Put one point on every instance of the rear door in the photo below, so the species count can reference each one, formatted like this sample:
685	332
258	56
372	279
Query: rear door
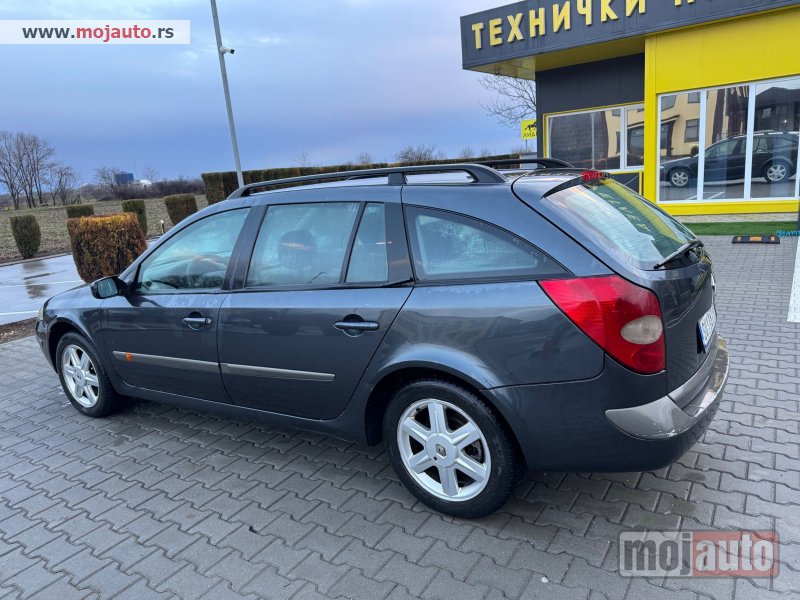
324	284
632	236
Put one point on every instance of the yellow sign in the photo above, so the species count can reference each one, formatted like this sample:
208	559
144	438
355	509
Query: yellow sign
528	128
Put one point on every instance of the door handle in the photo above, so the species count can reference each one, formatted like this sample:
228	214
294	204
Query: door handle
196	322
357	325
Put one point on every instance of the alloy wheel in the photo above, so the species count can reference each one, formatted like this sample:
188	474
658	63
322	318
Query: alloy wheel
80	376
776	172
679	178
443	450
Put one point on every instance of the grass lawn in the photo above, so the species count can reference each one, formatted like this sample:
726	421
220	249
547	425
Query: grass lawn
52	221
744	228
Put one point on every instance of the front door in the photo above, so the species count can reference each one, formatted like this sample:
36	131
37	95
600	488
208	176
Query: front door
325	283
163	335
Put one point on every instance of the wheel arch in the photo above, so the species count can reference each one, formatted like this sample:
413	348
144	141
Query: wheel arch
57	330
382	393
790	167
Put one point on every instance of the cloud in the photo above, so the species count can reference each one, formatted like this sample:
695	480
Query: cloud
271	40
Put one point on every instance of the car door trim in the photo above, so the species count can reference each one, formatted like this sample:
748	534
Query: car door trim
188	364
274	373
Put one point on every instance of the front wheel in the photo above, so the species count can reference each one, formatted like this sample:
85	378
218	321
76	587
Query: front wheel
450	449
84	378
679	178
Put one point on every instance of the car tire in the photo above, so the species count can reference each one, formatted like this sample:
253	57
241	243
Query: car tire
679	178
450	449
84	378
777	171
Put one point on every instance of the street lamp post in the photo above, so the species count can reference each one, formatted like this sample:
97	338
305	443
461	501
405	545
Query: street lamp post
222	51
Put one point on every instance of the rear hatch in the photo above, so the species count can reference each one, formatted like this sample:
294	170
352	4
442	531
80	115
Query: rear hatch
634	238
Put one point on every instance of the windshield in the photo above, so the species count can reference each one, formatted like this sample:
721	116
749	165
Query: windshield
621	221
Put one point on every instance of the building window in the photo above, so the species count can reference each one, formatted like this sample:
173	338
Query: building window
736	142
692	132
594	139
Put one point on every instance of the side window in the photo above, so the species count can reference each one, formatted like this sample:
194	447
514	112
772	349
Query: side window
302	244
448	246
369	261
195	258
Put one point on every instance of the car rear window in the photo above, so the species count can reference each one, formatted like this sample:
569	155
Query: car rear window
622	222
453	247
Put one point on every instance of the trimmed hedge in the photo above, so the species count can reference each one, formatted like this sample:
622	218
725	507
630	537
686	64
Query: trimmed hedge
180	206
103	246
220	185
136	207
76	211
27	235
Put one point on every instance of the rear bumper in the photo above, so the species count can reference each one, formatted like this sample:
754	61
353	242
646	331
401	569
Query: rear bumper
602	425
683	408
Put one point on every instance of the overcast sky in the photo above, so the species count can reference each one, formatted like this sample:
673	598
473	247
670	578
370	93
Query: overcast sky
332	78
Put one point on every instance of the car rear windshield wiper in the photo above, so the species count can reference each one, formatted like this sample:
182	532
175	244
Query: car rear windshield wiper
680	252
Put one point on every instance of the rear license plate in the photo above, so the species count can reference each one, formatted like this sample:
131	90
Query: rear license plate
707	324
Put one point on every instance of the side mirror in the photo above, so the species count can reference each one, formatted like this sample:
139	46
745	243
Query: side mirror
108	287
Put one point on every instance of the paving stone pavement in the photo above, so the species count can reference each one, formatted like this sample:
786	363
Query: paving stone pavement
157	502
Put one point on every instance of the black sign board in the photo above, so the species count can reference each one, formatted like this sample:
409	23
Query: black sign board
540	26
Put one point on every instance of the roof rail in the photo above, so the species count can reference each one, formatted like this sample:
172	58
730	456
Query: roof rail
397	176
547	163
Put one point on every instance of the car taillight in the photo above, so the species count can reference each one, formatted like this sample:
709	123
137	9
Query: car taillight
622	318
593	176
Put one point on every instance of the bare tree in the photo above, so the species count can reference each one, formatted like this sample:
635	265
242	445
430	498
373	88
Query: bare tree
107	180
150	173
63	180
514	99
302	159
364	158
10	176
466	152
420	153
35	157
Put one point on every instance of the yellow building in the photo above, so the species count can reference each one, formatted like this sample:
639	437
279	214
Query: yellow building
694	103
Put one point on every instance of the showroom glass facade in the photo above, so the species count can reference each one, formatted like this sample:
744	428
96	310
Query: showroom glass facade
737	142
594	139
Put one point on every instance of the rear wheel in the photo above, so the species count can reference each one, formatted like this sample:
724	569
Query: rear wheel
84	378
777	172
450	449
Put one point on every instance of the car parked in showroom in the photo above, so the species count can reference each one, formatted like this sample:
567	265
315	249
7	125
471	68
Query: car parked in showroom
774	159
477	323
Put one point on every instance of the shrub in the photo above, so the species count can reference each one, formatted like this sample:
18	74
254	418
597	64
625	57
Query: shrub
76	211
136	207
180	206
103	246
27	235
215	192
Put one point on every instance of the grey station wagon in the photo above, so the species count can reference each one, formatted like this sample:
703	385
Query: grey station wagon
478	323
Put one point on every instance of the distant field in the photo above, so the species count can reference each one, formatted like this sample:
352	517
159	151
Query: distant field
52	221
